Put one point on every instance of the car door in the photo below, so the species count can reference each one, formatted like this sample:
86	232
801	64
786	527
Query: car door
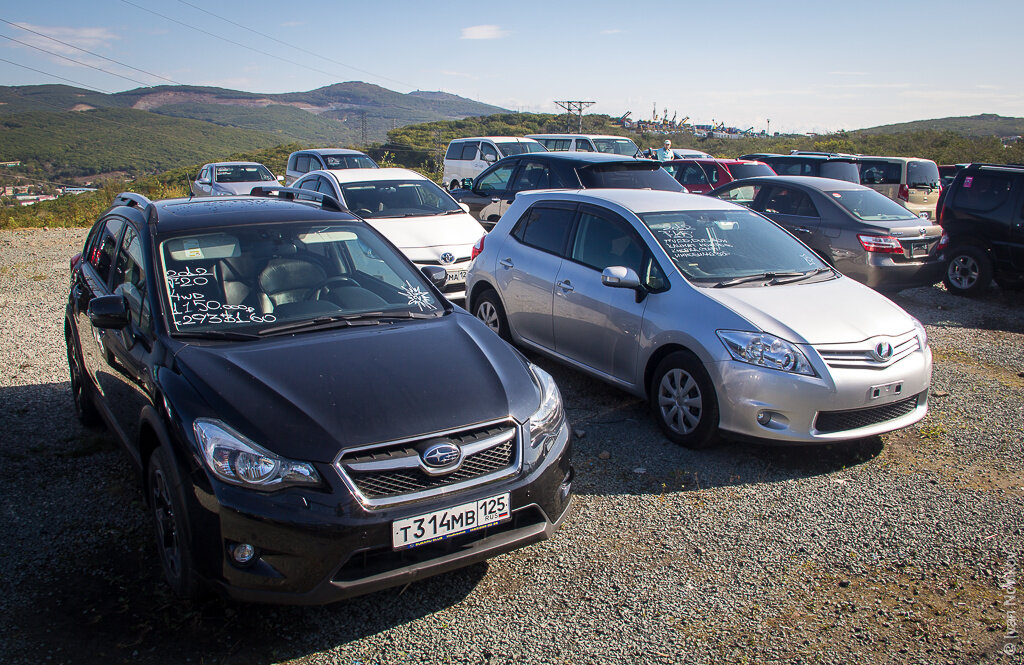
531	175
793	209
693	177
203	185
597	325
491	193
92	281
488	155
528	264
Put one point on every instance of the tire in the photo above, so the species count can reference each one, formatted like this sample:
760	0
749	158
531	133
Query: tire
85	408
488	309
968	272
173	531
684	401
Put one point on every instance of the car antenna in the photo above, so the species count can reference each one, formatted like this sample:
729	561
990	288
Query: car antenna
188	183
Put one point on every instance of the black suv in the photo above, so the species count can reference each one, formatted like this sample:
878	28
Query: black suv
982	215
492	192
818	165
310	417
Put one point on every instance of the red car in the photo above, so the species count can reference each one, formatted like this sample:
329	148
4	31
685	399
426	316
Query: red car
700	176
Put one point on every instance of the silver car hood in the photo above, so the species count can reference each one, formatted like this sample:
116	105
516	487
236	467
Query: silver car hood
243	188
836	311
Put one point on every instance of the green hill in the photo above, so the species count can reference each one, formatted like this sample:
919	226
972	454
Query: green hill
986	124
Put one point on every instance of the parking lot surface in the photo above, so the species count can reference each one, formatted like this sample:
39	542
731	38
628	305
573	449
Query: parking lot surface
900	548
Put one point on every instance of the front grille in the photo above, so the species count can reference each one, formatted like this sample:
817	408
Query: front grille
454	264
860	355
392	472
841	421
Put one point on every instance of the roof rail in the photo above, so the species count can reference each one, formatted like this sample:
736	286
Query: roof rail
291	193
843	155
1001	166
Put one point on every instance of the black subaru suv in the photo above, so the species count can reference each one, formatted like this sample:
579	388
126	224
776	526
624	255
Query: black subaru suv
982	216
311	419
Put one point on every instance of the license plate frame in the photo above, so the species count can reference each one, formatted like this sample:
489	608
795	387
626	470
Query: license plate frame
893	389
918	249
449	522
455	276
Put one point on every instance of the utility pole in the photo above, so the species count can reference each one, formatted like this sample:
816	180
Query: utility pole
576	107
769	130
362	127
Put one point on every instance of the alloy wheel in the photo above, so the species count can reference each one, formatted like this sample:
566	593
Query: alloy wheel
487	313
166	525
963	271
679	401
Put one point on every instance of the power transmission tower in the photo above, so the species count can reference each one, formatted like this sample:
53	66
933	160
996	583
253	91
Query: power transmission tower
362	126
574	107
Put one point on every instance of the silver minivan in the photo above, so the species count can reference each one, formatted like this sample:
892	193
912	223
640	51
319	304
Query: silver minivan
716	315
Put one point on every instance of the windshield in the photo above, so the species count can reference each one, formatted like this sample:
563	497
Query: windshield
348	162
245	279
628	175
740	171
397	198
715	245
616	146
923	174
519	147
243	173
869	205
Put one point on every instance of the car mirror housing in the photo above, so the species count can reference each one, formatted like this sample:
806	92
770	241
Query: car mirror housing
464	206
280	178
467	183
620	277
108	312
436	274
203	181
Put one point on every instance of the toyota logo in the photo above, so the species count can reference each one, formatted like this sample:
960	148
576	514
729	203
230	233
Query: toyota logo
882	351
441	455
447	258
922	230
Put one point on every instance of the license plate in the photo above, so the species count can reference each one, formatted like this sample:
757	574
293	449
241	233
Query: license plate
456	276
918	249
449	522
886	390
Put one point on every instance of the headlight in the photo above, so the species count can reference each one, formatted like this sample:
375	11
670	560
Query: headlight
546	422
237	460
765	351
922	334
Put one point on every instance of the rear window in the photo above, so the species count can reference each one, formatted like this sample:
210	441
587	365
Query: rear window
923	173
628	175
983	192
616	146
349	162
881	172
518	147
869	205
740	171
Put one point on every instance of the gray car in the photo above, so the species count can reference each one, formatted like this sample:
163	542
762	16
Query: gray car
231	178
861	232
721	319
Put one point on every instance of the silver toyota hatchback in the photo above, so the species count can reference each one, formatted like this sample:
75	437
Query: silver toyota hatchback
716	315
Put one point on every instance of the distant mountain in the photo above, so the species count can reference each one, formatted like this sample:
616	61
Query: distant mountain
343	113
986	124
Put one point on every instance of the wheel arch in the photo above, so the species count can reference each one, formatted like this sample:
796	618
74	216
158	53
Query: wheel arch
655	359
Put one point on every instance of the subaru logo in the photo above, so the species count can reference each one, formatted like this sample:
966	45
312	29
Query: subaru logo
447	258
882	351
441	455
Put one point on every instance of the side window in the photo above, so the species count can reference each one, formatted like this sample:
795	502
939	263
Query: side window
603	241
692	174
495	181
532	176
102	254
488	150
302	164
291	162
308	183
545	228
712	171
556	145
583	145
469	150
325	187
130	279
786	201
454	151
881	173
744	195
983	192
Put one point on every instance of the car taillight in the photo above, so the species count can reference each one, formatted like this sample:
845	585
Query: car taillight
477	248
880	244
943	242
74	260
904	194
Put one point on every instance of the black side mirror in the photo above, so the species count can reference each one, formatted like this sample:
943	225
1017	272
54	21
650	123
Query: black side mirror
436	274
467	183
108	312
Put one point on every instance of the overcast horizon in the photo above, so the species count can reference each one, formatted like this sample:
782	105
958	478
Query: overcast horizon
831	68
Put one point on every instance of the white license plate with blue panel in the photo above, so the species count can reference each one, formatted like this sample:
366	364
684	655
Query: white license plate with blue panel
441	524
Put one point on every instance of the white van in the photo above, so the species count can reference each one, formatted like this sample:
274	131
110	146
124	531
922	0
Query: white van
466	158
612	145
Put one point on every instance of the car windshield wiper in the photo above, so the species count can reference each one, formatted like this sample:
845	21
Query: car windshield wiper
215	334
342	320
798	278
756	278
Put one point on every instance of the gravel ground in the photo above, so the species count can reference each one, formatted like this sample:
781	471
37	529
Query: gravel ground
900	548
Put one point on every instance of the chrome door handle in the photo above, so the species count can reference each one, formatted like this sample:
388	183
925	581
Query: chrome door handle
495	199
506	263
802	229
565	285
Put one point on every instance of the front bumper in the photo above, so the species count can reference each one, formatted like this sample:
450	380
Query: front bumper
796	402
314	548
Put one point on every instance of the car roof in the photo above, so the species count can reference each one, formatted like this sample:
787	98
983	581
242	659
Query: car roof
811	182
816	158
635	200
368	175
495	138
573	136
195	213
332	151
231	164
575	157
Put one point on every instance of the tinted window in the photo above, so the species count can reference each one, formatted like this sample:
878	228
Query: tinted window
487	150
106	248
983	191
545	228
740	171
130	279
789	201
616	146
397	198
869	205
689	174
533	176
877	172
583	145
744	195
923	174
712	172
454	151
559	145
602	242
302	163
495	181
469	150
348	162
839	170
628	175
519	147
796	167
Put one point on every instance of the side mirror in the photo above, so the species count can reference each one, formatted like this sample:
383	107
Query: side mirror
280	178
620	277
436	274
467	183
464	206
490	158
108	312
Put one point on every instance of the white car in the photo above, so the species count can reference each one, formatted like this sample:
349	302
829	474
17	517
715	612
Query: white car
466	158
419	217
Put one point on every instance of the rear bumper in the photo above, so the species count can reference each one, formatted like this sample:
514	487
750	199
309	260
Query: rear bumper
882	273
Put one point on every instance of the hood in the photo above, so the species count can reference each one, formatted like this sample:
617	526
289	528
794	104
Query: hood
307	396
442	231
836	311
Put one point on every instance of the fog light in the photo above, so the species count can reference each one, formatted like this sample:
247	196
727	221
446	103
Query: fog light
243	553
764	418
566	486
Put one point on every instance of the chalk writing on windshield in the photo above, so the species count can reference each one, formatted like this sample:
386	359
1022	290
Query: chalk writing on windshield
193	297
680	242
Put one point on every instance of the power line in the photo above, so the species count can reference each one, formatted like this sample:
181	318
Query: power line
77	62
79	48
39	71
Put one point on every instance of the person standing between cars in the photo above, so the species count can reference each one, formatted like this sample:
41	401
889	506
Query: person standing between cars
664	153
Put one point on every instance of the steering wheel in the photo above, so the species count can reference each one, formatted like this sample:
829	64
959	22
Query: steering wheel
324	288
363	212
